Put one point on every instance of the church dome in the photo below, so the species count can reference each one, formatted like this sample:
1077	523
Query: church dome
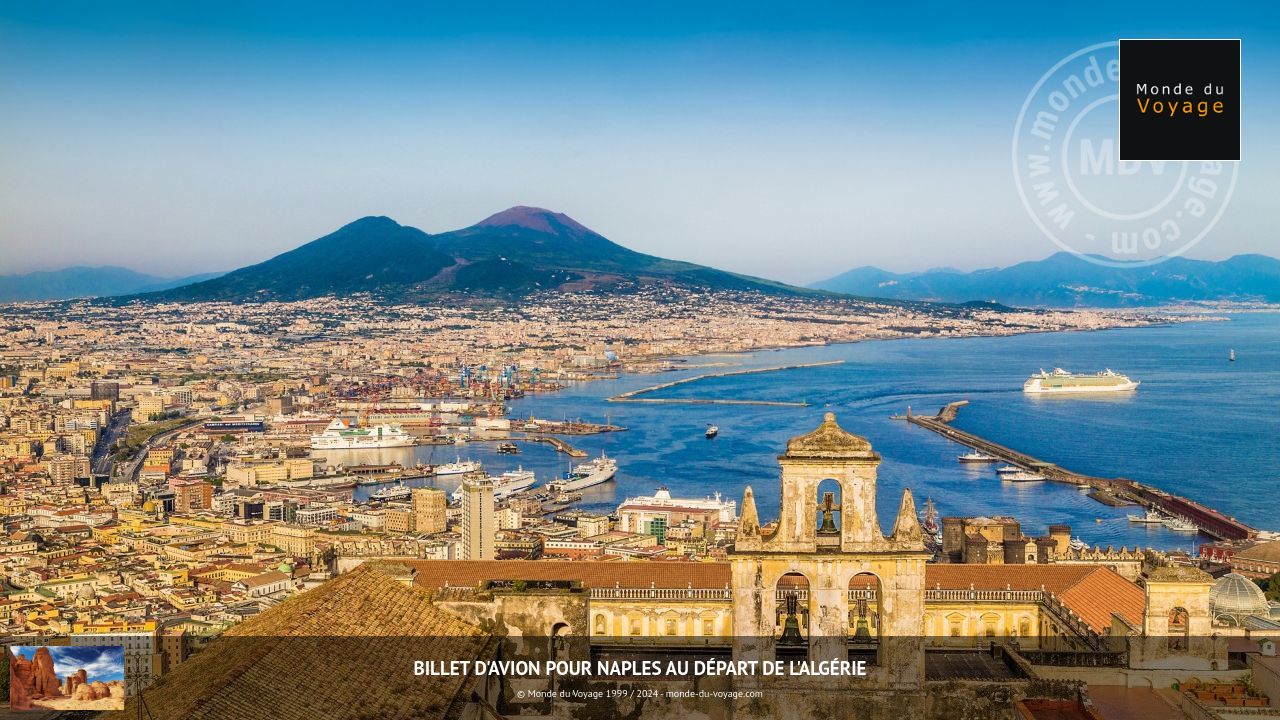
1235	597
148	507
830	442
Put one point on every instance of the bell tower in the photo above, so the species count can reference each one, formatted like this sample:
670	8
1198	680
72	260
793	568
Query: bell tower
861	592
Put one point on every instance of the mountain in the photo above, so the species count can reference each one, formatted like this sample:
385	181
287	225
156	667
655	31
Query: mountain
80	281
511	253
1067	280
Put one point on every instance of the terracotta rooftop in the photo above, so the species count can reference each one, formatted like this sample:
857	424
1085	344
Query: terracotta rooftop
470	573
1262	552
341	650
1091	591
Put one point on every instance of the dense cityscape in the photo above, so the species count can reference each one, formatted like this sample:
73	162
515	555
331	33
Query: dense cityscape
160	483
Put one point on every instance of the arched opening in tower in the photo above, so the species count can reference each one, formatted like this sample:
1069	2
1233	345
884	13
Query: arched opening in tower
864	618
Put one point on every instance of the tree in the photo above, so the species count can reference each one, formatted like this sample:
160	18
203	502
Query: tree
1272	587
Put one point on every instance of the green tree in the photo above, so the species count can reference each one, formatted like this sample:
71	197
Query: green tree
1272	587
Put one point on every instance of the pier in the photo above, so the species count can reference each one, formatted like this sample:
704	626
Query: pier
1109	491
634	395
559	445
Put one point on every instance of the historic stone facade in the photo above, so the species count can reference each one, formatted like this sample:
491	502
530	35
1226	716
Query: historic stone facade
831	560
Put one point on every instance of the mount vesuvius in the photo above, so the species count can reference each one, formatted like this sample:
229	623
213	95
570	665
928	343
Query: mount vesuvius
515	252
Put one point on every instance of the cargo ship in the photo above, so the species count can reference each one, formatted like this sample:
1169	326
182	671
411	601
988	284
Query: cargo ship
588	474
341	435
1061	381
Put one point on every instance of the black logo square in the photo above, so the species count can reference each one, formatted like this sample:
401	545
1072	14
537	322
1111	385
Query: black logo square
1179	99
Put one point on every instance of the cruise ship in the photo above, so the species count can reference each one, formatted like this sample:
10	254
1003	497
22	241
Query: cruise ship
506	484
1061	381
588	474
341	435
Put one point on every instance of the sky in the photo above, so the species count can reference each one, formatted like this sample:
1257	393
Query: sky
792	141
101	664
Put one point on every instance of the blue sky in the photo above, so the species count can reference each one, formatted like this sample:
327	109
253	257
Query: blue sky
105	663
792	141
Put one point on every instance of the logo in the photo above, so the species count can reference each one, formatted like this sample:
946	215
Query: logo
1082	196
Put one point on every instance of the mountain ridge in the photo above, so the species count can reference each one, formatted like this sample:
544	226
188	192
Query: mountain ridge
511	253
84	281
1067	280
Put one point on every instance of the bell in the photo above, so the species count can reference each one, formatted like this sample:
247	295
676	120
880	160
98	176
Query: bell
828	514
791	628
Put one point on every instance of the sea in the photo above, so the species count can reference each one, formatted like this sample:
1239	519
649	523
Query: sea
1199	425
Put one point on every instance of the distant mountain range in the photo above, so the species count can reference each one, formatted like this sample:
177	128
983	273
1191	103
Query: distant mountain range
1066	280
512	253
82	282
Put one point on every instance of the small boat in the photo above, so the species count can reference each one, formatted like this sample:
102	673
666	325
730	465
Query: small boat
712	431
1231	356
1022	476
1150	517
1008	469
1180	525
509	449
977	457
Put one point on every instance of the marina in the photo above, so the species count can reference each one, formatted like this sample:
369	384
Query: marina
1180	514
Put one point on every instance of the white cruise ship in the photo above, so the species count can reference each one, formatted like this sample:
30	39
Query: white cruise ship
341	435
1061	381
506	484
588	474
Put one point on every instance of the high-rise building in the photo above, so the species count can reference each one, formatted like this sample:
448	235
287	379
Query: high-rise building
479	525
429	510
190	495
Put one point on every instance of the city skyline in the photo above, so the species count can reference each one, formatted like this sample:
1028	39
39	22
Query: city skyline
176	141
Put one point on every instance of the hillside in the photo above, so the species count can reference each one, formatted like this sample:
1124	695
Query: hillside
79	282
1066	280
511	253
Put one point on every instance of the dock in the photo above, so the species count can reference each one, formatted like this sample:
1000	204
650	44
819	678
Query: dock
1109	491
634	395
559	445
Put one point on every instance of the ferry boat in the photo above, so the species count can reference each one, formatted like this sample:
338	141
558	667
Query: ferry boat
399	491
1022	476
1079	545
507	484
977	457
1180	525
457	467
712	431
1150	516
585	475
1008	469
341	435
1062	381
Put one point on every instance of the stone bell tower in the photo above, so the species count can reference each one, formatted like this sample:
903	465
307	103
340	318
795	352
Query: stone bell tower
836	566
